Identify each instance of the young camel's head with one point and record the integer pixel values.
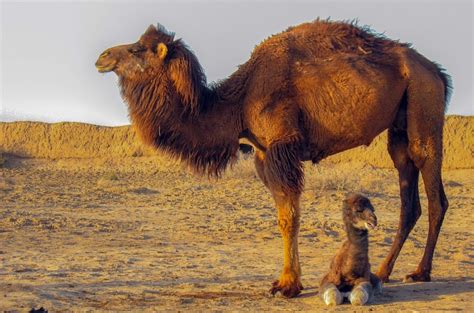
(358, 212)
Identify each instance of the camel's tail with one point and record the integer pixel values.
(448, 84)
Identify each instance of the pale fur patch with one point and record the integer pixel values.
(332, 296)
(359, 296)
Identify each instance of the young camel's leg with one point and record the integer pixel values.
(329, 293)
(361, 293)
(281, 171)
(410, 209)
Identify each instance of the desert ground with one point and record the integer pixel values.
(132, 230)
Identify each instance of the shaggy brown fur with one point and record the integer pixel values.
(350, 267)
(305, 94)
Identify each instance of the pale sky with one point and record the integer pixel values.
(48, 49)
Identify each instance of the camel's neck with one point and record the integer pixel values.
(207, 140)
(357, 237)
(357, 250)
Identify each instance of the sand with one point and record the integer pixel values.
(144, 234)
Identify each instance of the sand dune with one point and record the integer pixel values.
(76, 140)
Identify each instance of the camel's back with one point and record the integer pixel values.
(322, 39)
(311, 49)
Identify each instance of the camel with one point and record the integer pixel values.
(307, 93)
(349, 273)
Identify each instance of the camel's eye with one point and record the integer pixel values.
(104, 54)
(136, 49)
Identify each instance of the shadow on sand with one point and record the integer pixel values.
(395, 292)
(424, 291)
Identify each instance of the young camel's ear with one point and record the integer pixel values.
(188, 78)
(161, 50)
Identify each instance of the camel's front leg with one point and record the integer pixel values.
(329, 292)
(289, 283)
(281, 171)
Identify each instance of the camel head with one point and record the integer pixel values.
(156, 58)
(358, 212)
(140, 59)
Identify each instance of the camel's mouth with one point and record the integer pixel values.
(105, 68)
(370, 225)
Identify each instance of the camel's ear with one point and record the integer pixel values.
(161, 51)
(149, 37)
(151, 30)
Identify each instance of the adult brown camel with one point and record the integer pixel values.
(307, 93)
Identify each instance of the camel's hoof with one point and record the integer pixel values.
(332, 296)
(384, 278)
(378, 288)
(416, 276)
(288, 291)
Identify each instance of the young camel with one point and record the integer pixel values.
(349, 273)
(305, 94)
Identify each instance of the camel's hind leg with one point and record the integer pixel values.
(437, 207)
(425, 111)
(410, 209)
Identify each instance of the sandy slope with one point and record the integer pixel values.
(142, 234)
(76, 140)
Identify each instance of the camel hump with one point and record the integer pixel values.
(324, 38)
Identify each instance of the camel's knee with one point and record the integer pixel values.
(418, 156)
(437, 201)
(288, 223)
(288, 212)
(426, 153)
